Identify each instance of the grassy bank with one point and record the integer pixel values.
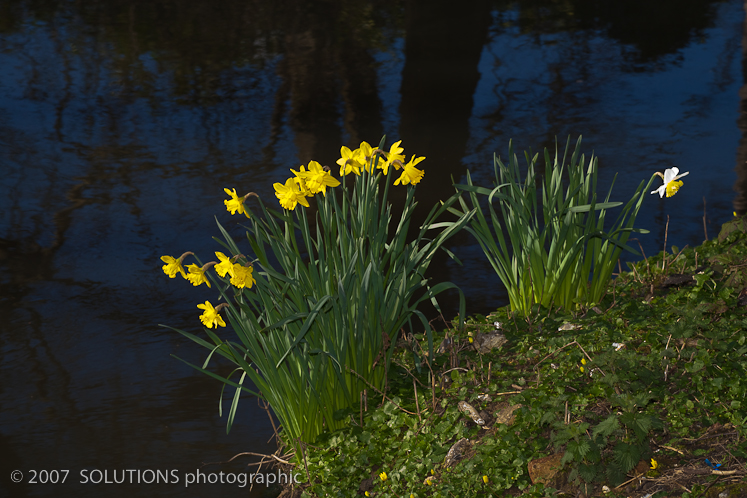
(582, 402)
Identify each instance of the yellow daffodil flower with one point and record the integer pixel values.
(654, 464)
(383, 476)
(173, 266)
(225, 265)
(316, 179)
(299, 178)
(197, 275)
(290, 194)
(365, 153)
(210, 317)
(235, 203)
(393, 158)
(671, 185)
(410, 173)
(349, 162)
(242, 276)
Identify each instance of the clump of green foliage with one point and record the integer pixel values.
(547, 240)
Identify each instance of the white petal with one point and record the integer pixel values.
(660, 190)
(670, 174)
(680, 176)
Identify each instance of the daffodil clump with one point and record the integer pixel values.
(320, 294)
(546, 238)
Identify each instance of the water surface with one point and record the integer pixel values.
(122, 122)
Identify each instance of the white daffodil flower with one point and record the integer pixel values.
(671, 185)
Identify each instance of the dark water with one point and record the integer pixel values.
(122, 122)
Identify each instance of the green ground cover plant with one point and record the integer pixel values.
(643, 395)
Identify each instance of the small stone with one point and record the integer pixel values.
(506, 415)
(543, 470)
(456, 453)
(485, 343)
(469, 410)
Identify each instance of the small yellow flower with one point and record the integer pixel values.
(671, 185)
(411, 174)
(173, 266)
(300, 179)
(242, 276)
(433, 472)
(350, 161)
(485, 479)
(235, 203)
(210, 317)
(583, 361)
(365, 152)
(316, 179)
(654, 464)
(225, 265)
(429, 481)
(367, 493)
(290, 194)
(383, 476)
(197, 275)
(471, 340)
(581, 368)
(393, 158)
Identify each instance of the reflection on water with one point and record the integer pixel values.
(122, 122)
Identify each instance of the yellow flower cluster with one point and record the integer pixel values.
(306, 182)
(315, 178)
(241, 277)
(363, 158)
